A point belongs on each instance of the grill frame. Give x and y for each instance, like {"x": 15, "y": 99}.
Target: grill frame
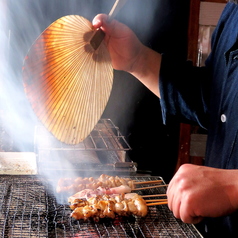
{"x": 29, "y": 208}
{"x": 104, "y": 136}
{"x": 103, "y": 150}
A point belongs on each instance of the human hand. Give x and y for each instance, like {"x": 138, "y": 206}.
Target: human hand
{"x": 129, "y": 54}
{"x": 196, "y": 192}
{"x": 123, "y": 45}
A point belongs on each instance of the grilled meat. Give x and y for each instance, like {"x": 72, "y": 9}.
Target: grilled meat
{"x": 70, "y": 185}
{"x": 102, "y": 206}
{"x": 87, "y": 193}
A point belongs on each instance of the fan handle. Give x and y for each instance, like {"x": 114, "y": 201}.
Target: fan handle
{"x": 98, "y": 36}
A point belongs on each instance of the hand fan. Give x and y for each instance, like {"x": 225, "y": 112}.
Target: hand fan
{"x": 68, "y": 81}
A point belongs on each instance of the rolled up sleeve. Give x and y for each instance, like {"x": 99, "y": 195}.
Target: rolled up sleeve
{"x": 184, "y": 91}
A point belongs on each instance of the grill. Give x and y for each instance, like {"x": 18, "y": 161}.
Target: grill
{"x": 29, "y": 208}
{"x": 103, "y": 151}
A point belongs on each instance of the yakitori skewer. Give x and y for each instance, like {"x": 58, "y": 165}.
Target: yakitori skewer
{"x": 73, "y": 185}
{"x": 102, "y": 206}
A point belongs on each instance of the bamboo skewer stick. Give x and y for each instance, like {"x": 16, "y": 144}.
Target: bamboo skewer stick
{"x": 154, "y": 195}
{"x": 157, "y": 203}
{"x": 148, "y": 182}
{"x": 156, "y": 200}
{"x": 148, "y": 187}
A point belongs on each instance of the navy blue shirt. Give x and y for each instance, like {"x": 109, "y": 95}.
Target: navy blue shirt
{"x": 208, "y": 96}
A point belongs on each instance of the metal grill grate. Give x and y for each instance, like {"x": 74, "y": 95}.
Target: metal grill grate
{"x": 28, "y": 208}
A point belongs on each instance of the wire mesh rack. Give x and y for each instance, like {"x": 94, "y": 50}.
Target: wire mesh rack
{"x": 30, "y": 208}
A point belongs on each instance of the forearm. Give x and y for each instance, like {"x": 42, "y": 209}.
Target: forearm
{"x": 147, "y": 68}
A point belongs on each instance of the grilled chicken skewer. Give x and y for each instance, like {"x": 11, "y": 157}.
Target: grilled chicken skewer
{"x": 103, "y": 206}
{"x": 88, "y": 193}
{"x": 70, "y": 185}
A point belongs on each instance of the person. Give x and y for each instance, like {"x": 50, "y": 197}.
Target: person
{"x": 207, "y": 95}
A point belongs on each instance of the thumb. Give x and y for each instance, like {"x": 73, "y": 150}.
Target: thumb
{"x": 99, "y": 20}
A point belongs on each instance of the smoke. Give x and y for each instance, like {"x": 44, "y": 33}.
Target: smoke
{"x": 22, "y": 21}
{"x": 17, "y": 118}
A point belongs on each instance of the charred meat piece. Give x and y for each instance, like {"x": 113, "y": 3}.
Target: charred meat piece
{"x": 70, "y": 185}
{"x": 88, "y": 193}
{"x": 108, "y": 206}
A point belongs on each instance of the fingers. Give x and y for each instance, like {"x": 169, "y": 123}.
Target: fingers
{"x": 174, "y": 202}
{"x": 113, "y": 28}
{"x": 183, "y": 210}
{"x": 181, "y": 197}
{"x": 187, "y": 212}
{"x": 99, "y": 20}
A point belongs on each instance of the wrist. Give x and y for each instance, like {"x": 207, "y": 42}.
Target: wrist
{"x": 147, "y": 68}
{"x": 232, "y": 188}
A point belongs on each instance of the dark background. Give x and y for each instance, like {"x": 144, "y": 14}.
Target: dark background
{"x": 160, "y": 24}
